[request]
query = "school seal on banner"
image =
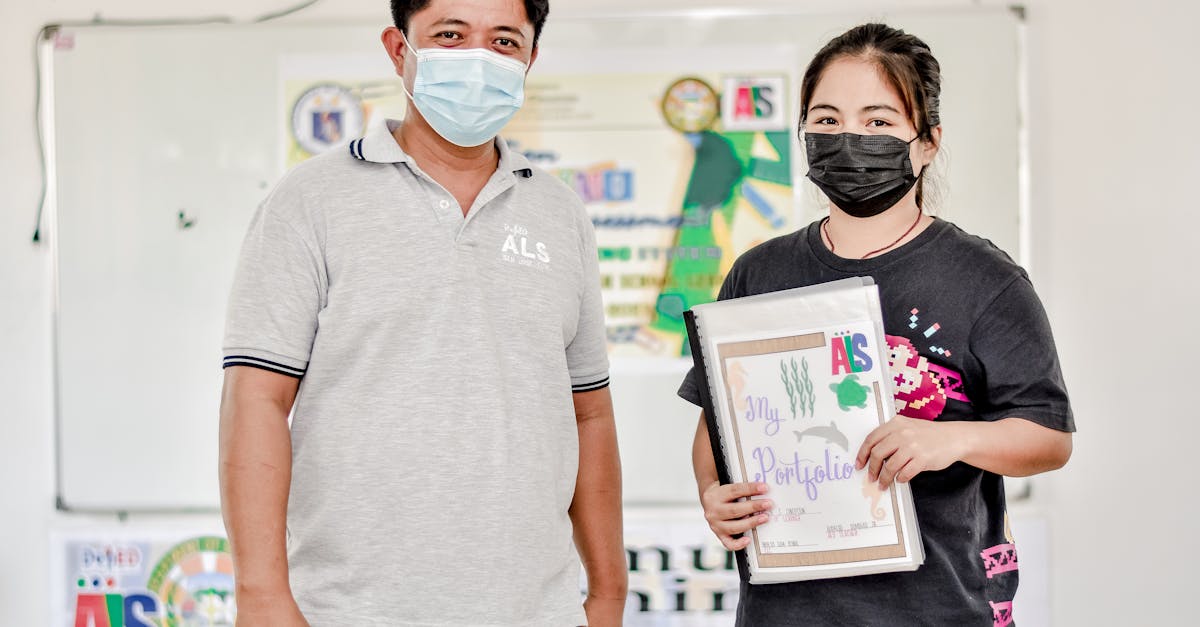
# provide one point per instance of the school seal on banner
(326, 116)
(194, 581)
(691, 105)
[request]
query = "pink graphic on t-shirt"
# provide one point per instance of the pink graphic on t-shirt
(922, 388)
(1002, 614)
(951, 382)
(919, 392)
(1001, 558)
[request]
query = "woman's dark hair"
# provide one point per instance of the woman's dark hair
(904, 60)
(535, 10)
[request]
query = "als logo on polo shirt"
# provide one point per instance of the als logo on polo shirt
(521, 248)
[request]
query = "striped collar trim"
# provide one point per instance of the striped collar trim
(379, 146)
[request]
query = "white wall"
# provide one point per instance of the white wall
(1115, 152)
(1116, 222)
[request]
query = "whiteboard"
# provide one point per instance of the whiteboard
(150, 122)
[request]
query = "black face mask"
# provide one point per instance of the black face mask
(864, 175)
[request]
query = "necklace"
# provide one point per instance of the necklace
(833, 248)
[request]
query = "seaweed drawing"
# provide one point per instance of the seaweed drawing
(799, 386)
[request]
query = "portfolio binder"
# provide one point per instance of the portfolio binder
(791, 383)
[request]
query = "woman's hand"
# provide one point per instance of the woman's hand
(902, 448)
(727, 516)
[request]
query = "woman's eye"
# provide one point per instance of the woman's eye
(878, 123)
(827, 121)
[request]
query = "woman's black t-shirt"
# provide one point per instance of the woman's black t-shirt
(968, 340)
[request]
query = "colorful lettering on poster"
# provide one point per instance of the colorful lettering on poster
(603, 182)
(753, 101)
(850, 354)
(110, 558)
(115, 610)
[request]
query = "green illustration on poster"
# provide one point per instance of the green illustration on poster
(727, 167)
(679, 180)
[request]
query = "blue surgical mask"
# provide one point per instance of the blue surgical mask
(466, 94)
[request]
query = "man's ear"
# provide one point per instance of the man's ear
(393, 42)
(532, 58)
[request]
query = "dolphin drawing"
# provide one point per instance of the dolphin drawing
(830, 434)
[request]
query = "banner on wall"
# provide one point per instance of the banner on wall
(680, 174)
(146, 576)
(137, 576)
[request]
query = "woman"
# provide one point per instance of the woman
(979, 391)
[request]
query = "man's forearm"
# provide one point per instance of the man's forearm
(596, 509)
(255, 476)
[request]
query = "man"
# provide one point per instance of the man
(426, 305)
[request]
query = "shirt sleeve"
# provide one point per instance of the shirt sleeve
(278, 290)
(1022, 377)
(689, 390)
(587, 354)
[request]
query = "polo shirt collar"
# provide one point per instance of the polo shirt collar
(379, 146)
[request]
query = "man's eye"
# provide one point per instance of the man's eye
(449, 35)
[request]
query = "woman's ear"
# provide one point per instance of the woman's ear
(933, 144)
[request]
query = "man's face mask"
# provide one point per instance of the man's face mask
(466, 94)
(864, 175)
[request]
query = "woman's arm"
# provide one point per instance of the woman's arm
(905, 447)
(726, 513)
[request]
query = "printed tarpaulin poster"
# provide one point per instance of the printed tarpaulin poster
(146, 578)
(679, 574)
(680, 173)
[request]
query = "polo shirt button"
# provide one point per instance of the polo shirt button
(445, 204)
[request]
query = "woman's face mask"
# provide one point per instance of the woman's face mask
(864, 175)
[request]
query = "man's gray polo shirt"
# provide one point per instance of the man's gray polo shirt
(434, 443)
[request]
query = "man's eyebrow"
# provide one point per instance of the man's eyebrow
(454, 21)
(509, 29)
(450, 21)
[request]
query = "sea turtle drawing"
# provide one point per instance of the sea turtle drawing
(850, 393)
